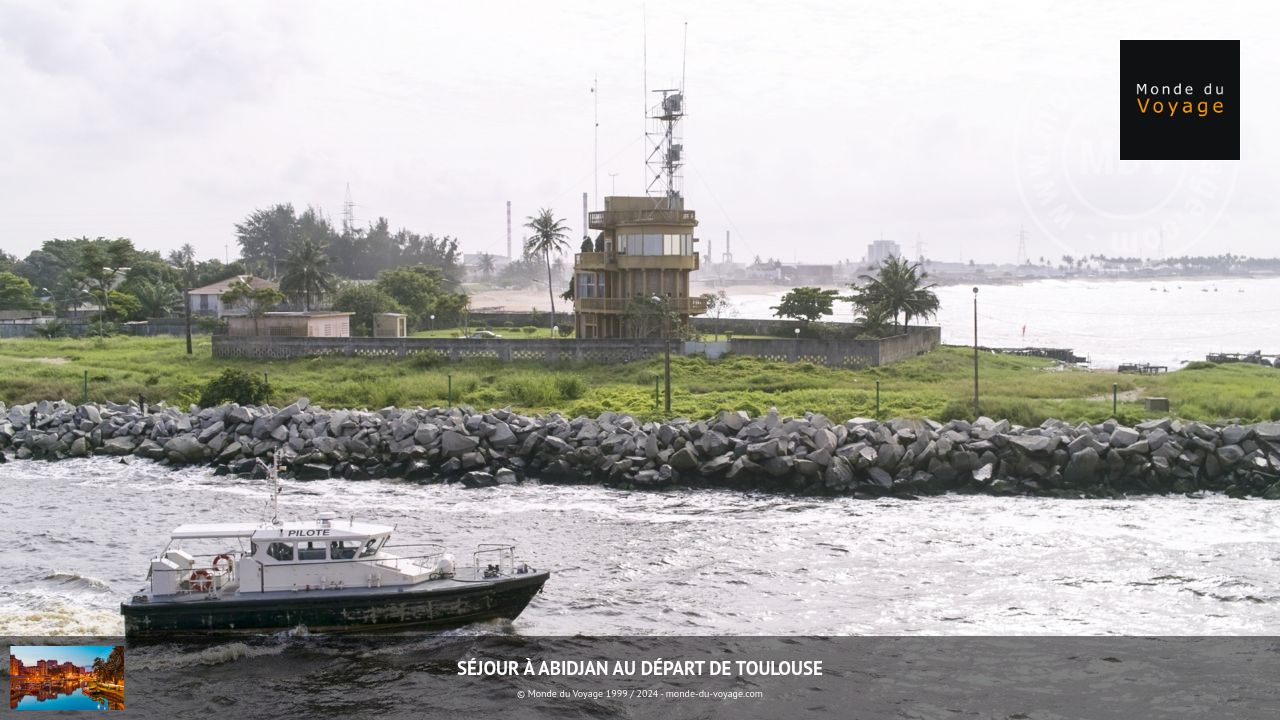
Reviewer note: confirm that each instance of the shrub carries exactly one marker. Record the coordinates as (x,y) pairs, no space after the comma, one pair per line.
(236,386)
(101,328)
(211,325)
(1200,365)
(570,387)
(50,330)
(529,330)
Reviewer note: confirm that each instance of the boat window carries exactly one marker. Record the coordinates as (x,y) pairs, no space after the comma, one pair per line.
(371,547)
(343,549)
(311,552)
(280,551)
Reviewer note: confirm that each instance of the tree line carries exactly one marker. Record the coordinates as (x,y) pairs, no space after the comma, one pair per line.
(897,291)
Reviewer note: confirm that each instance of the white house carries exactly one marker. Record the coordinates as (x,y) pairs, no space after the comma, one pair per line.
(207,300)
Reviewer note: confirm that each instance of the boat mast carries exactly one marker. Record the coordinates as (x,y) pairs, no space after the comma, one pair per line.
(274,474)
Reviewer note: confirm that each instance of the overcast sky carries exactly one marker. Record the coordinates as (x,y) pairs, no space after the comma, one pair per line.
(813,127)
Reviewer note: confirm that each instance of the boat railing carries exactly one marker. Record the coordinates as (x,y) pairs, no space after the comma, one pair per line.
(494,555)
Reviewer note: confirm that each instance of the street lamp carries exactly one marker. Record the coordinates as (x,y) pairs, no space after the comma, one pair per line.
(433,323)
(666,353)
(976,413)
(796,350)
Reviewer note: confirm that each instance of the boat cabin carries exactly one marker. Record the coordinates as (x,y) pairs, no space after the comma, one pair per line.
(325,553)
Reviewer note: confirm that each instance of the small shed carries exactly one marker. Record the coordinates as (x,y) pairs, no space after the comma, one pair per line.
(393,325)
(292,324)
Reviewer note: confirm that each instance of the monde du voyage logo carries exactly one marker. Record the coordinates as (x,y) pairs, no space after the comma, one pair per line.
(1179,99)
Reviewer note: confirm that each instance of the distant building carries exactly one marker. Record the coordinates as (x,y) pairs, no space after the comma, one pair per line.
(880,250)
(207,300)
(646,252)
(809,274)
(292,324)
(770,270)
(390,325)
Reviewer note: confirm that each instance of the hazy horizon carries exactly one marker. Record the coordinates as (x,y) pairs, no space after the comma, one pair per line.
(813,128)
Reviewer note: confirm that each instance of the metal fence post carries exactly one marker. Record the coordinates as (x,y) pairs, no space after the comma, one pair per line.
(877,399)
(84,397)
(450,379)
(1115,398)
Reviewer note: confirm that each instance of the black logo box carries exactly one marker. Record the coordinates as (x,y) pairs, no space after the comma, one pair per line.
(1186,65)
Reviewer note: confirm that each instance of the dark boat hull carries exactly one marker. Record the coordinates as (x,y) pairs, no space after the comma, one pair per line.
(347,610)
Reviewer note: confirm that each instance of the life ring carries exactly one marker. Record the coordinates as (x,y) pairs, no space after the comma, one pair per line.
(201,581)
(220,558)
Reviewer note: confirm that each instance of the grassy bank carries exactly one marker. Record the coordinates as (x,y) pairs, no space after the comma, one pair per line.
(937,385)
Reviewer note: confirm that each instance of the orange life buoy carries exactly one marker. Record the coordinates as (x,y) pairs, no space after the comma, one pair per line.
(201,581)
(220,558)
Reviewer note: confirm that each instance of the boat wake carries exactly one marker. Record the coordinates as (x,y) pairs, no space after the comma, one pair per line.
(71,580)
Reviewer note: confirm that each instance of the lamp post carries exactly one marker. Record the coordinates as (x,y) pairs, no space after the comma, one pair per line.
(666,354)
(433,323)
(796,347)
(976,413)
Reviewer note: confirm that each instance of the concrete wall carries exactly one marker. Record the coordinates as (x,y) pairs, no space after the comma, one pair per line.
(836,353)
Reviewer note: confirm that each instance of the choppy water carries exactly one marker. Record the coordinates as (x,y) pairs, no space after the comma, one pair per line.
(1163,322)
(78,534)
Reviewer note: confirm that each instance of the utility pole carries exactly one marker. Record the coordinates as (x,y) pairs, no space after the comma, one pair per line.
(664,304)
(976,412)
(187,299)
(509,257)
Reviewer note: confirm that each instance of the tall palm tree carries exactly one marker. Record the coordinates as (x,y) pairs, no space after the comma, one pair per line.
(486,264)
(306,273)
(549,235)
(896,289)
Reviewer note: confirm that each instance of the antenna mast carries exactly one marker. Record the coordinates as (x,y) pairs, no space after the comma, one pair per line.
(348,213)
(1022,246)
(595,96)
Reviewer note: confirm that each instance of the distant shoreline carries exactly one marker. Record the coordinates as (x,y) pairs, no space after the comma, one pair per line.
(497,300)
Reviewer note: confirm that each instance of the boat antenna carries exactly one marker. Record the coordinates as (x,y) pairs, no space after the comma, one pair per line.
(274,475)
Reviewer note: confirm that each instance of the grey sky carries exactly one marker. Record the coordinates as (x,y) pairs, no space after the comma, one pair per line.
(813,127)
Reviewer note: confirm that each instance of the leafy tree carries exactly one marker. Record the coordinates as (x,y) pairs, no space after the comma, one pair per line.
(122,306)
(7,261)
(365,301)
(16,293)
(806,304)
(420,291)
(651,316)
(100,265)
(306,273)
(897,289)
(208,272)
(255,302)
(264,236)
(717,306)
(549,236)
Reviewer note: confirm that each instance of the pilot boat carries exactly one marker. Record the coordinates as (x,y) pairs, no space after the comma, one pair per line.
(327,574)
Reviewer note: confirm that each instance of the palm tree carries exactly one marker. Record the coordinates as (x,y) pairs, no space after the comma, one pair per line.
(896,289)
(306,272)
(549,235)
(158,300)
(186,255)
(486,264)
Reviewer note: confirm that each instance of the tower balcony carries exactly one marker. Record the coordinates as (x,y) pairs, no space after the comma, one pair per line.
(680,305)
(615,261)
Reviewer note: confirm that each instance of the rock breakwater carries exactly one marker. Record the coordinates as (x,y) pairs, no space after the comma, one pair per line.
(810,454)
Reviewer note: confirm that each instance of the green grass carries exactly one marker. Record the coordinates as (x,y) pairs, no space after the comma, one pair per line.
(937,385)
